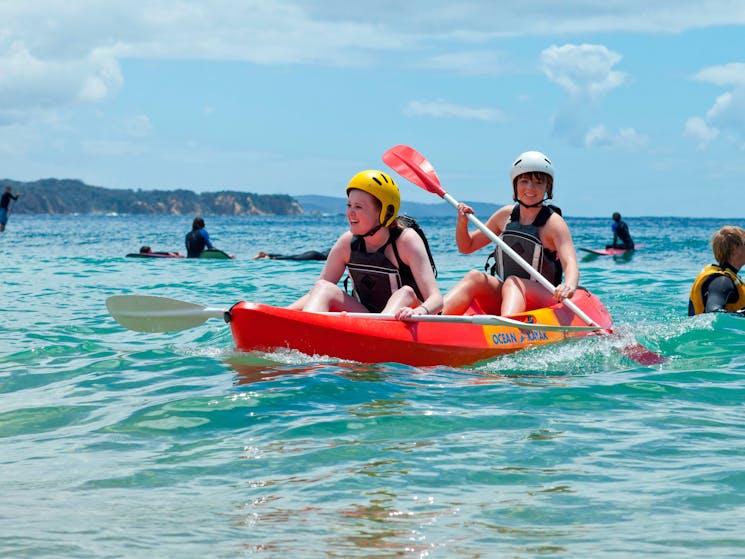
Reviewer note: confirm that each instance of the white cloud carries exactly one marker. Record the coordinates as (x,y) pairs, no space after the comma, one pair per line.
(726,117)
(443,109)
(583,71)
(586,74)
(698,129)
(28,82)
(55,53)
(476,18)
(725,75)
(626,138)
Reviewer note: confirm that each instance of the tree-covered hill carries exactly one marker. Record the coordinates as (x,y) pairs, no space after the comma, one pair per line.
(69,196)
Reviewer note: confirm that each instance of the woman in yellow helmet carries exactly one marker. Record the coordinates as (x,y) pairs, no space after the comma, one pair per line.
(387,261)
(718,288)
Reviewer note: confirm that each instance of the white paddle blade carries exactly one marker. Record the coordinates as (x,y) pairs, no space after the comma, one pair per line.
(147,313)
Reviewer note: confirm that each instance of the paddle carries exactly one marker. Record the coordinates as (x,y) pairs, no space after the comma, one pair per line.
(412,165)
(147,313)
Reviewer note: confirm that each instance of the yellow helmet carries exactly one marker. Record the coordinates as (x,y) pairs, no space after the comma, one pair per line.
(381,186)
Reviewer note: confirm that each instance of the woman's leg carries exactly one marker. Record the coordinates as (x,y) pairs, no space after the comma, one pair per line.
(403,297)
(325,296)
(475,286)
(519,295)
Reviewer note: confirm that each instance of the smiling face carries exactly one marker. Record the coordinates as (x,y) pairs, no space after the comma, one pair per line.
(530,188)
(363,212)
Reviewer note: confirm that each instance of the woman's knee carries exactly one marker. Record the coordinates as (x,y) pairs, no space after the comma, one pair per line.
(406,295)
(475,277)
(323,286)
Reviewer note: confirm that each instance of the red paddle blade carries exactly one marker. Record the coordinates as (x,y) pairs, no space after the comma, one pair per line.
(642,355)
(412,165)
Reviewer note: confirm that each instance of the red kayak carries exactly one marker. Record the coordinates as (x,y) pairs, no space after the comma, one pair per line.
(430,340)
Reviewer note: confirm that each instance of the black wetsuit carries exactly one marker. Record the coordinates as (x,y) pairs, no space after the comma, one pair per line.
(6,198)
(196,241)
(621,231)
(307,255)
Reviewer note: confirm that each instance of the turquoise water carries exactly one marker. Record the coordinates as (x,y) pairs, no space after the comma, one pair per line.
(121,444)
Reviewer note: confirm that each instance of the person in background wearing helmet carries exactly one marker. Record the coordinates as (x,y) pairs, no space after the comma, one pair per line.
(197,239)
(718,288)
(388,263)
(620,231)
(533,229)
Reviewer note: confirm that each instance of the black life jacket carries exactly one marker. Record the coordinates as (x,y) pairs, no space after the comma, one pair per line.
(374,277)
(194,244)
(525,241)
(410,222)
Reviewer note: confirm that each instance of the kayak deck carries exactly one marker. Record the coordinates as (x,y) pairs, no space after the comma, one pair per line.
(258,327)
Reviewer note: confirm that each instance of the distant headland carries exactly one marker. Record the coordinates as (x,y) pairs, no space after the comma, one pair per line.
(72,196)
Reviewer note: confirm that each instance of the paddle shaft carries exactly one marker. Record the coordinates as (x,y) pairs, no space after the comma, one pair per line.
(146,313)
(480,319)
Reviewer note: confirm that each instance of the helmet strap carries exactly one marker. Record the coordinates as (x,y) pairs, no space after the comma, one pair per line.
(374,230)
(524,205)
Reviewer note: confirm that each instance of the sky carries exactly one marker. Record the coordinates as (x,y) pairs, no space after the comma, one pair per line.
(640,105)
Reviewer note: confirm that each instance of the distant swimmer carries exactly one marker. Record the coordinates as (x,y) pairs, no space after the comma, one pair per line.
(307,255)
(5,206)
(620,233)
(719,288)
(197,239)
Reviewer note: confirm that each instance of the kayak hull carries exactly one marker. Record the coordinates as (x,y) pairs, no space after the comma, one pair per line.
(258,327)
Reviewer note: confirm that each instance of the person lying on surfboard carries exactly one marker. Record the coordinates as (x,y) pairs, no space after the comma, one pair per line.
(387,260)
(535,230)
(719,288)
(620,232)
(307,255)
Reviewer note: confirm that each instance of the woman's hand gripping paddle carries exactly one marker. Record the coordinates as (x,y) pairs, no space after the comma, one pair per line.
(412,165)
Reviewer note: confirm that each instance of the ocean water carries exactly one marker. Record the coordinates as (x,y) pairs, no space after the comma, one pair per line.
(121,444)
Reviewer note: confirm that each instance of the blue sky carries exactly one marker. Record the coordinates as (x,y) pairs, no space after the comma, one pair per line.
(640,105)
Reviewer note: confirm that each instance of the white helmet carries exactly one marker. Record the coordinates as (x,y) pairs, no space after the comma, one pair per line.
(531,162)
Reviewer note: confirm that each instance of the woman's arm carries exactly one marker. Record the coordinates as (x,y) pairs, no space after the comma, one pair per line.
(471,241)
(414,254)
(561,238)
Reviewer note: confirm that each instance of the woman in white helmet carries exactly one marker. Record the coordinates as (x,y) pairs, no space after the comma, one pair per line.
(387,260)
(533,229)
